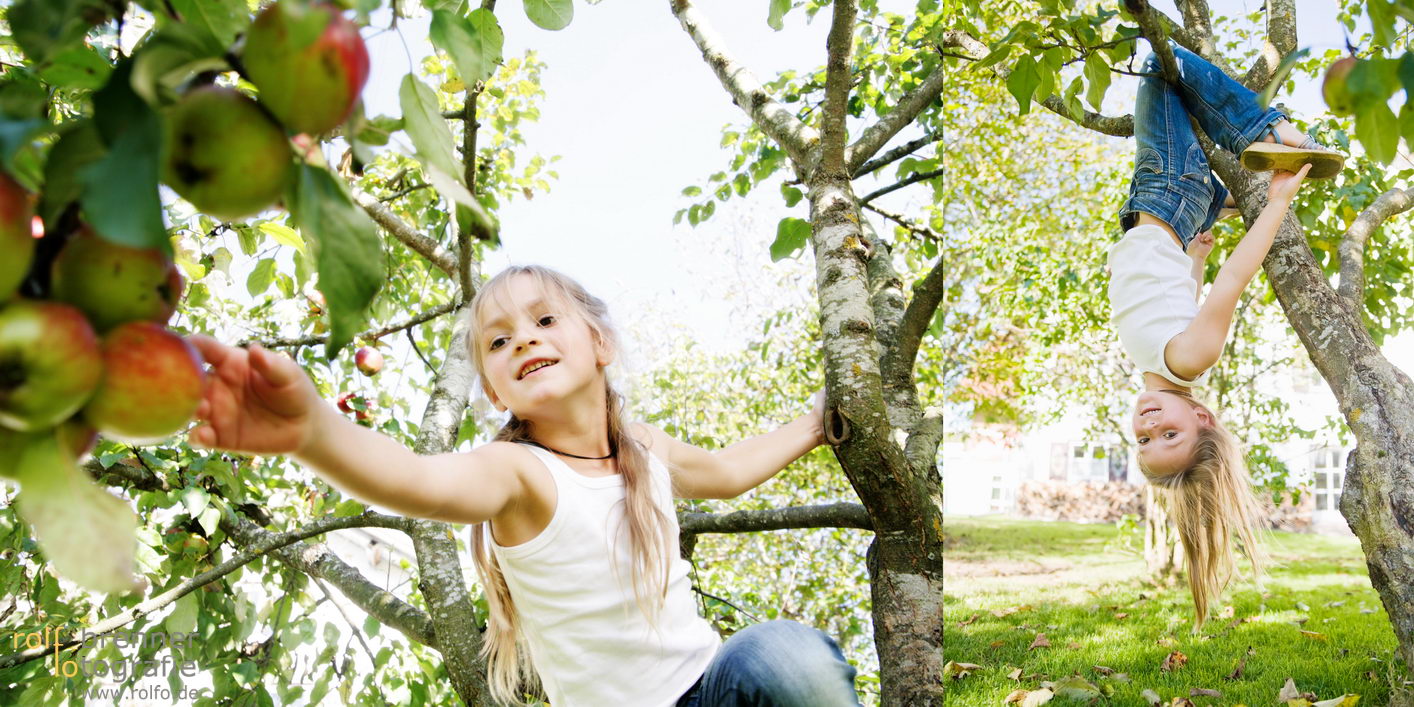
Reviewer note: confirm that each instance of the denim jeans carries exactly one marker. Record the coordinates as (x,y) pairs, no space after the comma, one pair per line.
(1172,180)
(775,664)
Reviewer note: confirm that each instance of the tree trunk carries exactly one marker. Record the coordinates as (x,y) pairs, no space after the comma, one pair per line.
(1163,554)
(1376,399)
(905,560)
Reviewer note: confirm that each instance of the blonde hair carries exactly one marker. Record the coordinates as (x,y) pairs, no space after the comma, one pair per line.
(1212,504)
(650,543)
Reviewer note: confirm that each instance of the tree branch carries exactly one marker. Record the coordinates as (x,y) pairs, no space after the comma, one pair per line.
(839,77)
(911,179)
(793,135)
(909,226)
(1122,126)
(908,108)
(1154,31)
(834,515)
(312,340)
(927,296)
(1279,42)
(922,447)
(1352,245)
(894,154)
(428,248)
(319,562)
(267,543)
(138,477)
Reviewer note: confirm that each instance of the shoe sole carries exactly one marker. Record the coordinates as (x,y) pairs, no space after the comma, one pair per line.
(1265,157)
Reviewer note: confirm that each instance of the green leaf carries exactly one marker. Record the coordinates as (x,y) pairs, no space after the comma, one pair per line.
(791,235)
(260,277)
(1022,81)
(1406,123)
(183,616)
(195,500)
(169,57)
(1097,78)
(550,14)
(347,507)
(119,191)
(222,20)
(348,251)
(89,535)
(776,13)
(474,42)
(284,235)
(791,195)
(1377,129)
(45,27)
(14,136)
(210,520)
(77,67)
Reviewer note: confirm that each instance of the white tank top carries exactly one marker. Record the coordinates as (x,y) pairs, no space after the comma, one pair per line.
(1152,297)
(586,636)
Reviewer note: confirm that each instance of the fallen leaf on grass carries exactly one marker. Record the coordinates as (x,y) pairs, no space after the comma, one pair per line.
(958,671)
(1236,673)
(1003,613)
(1315,636)
(1175,661)
(1014,697)
(1122,615)
(996,644)
(1289,692)
(1076,688)
(1370,675)
(1036,698)
(1334,604)
(1227,612)
(1074,646)
(968,620)
(1181,702)
(1103,670)
(1342,701)
(1203,692)
(1166,642)
(1014,675)
(1151,697)
(1301,606)
(1040,642)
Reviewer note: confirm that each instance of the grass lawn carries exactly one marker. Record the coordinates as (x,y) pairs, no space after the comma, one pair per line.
(1007,580)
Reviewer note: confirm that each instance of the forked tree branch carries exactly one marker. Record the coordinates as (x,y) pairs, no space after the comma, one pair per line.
(1153,29)
(793,135)
(409,323)
(1279,42)
(1352,245)
(440,257)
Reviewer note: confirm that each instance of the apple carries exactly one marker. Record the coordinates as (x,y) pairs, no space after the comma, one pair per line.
(224,153)
(309,63)
(113,283)
(369,361)
(16,235)
(361,412)
(49,363)
(152,383)
(1336,89)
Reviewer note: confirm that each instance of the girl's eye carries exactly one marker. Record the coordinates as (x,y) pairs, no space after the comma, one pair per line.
(496,342)
(1143,440)
(551,317)
(1170,435)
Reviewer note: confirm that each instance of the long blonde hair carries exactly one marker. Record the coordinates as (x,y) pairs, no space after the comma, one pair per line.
(650,543)
(1211,503)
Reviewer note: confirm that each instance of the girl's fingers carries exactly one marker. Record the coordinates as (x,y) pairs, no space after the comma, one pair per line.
(201,436)
(210,349)
(269,366)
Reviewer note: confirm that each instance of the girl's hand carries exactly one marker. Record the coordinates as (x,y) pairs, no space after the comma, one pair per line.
(817,415)
(1201,246)
(1285,184)
(257,402)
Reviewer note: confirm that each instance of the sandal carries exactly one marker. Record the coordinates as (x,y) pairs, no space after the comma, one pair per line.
(1267,156)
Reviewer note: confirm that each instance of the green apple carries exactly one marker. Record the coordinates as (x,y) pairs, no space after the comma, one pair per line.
(152,384)
(49,363)
(113,283)
(309,63)
(16,236)
(224,154)
(1336,89)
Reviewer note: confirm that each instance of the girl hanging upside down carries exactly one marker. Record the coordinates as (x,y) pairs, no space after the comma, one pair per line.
(1156,278)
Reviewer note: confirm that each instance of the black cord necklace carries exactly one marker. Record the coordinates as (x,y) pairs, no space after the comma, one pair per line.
(612,450)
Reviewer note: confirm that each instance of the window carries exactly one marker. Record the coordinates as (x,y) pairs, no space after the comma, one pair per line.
(1321,501)
(1321,479)
(1078,451)
(996,494)
(1321,460)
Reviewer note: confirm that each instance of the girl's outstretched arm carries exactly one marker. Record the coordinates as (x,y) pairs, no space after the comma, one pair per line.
(263,403)
(730,472)
(1198,251)
(1198,347)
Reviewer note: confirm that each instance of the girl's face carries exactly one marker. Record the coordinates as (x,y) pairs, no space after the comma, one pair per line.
(1166,427)
(538,329)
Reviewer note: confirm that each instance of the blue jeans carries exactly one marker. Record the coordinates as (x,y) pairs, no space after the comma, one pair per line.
(1172,180)
(775,664)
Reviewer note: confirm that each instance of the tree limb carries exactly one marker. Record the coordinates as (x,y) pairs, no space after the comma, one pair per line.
(910,179)
(312,340)
(1122,126)
(908,108)
(267,543)
(927,295)
(922,446)
(1279,42)
(793,135)
(428,248)
(909,226)
(894,154)
(839,78)
(834,515)
(319,562)
(1352,245)
(1154,31)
